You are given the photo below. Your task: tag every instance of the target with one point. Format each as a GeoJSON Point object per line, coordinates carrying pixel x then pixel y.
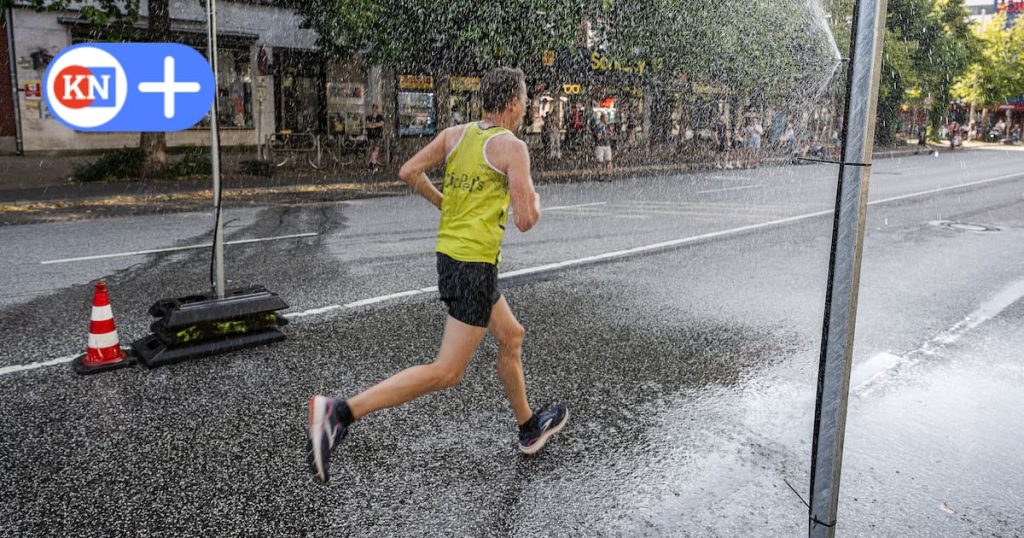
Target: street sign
{"type": "Point", "coordinates": [129, 87]}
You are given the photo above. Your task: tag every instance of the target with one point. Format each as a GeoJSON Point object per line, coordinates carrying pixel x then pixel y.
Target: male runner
{"type": "Point", "coordinates": [486, 169]}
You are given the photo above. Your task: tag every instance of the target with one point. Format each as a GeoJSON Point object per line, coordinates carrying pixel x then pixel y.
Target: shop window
{"type": "Point", "coordinates": [416, 114]}
{"type": "Point", "coordinates": [465, 107]}
{"type": "Point", "coordinates": [234, 75]}
{"type": "Point", "coordinates": [234, 89]}
{"type": "Point", "coordinates": [464, 100]}
{"type": "Point", "coordinates": [346, 102]}
{"type": "Point", "coordinates": [234, 86]}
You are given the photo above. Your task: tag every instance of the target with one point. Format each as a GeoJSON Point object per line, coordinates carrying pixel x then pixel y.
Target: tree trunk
{"type": "Point", "coordinates": [154, 145]}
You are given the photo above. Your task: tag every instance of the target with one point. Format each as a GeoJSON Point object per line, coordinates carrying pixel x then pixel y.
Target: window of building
{"type": "Point", "coordinates": [234, 87]}
{"type": "Point", "coordinates": [416, 114]}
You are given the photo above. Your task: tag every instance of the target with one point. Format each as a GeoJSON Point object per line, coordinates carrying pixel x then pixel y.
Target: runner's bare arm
{"type": "Point", "coordinates": [413, 172]}
{"type": "Point", "coordinates": [525, 200]}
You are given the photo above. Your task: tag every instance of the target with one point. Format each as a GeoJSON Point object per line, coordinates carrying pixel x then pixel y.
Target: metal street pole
{"type": "Point", "coordinates": [218, 234]}
{"type": "Point", "coordinates": [12, 59]}
{"type": "Point", "coordinates": [844, 265]}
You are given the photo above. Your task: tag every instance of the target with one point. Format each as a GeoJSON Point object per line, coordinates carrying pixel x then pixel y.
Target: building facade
{"type": "Point", "coordinates": [270, 75]}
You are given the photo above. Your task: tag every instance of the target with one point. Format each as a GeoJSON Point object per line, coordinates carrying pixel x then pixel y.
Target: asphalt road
{"type": "Point", "coordinates": [679, 318]}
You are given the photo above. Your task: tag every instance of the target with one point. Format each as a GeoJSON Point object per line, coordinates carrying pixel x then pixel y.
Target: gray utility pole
{"type": "Point", "coordinates": [844, 265]}
{"type": "Point", "coordinates": [19, 143]}
{"type": "Point", "coordinates": [218, 234]}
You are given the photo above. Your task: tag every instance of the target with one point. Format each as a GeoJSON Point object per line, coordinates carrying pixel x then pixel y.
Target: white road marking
{"type": "Point", "coordinates": [731, 178]}
{"type": "Point", "coordinates": [592, 204]}
{"type": "Point", "coordinates": [731, 189]}
{"type": "Point", "coordinates": [646, 248]}
{"type": "Point", "coordinates": [876, 367]}
{"type": "Point", "coordinates": [943, 189]}
{"type": "Point", "coordinates": [22, 367]}
{"type": "Point", "coordinates": [987, 311]}
{"type": "Point", "coordinates": [173, 249]}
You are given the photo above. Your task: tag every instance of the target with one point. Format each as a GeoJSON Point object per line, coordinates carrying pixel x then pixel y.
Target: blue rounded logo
{"type": "Point", "coordinates": [129, 87]}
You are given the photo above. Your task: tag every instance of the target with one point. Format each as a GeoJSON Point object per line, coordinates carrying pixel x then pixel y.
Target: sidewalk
{"type": "Point", "coordinates": [36, 188]}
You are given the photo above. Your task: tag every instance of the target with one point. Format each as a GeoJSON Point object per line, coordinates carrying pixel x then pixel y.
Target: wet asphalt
{"type": "Point", "coordinates": [689, 371]}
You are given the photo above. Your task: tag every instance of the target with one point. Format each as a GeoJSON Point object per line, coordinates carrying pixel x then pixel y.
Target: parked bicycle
{"type": "Point", "coordinates": [318, 151]}
{"type": "Point", "coordinates": [341, 149]}
{"type": "Point", "coordinates": [285, 146]}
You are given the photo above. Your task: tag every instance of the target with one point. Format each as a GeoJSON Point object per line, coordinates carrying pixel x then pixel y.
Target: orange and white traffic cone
{"type": "Point", "coordinates": [103, 351]}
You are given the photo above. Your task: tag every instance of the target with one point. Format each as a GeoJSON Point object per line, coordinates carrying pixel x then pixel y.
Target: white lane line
{"type": "Point", "coordinates": [382, 298]}
{"type": "Point", "coordinates": [22, 367]}
{"type": "Point", "coordinates": [363, 302]}
{"type": "Point", "coordinates": [592, 204]}
{"type": "Point", "coordinates": [174, 249]}
{"type": "Point", "coordinates": [588, 259]}
{"type": "Point", "coordinates": [949, 188]}
{"type": "Point", "coordinates": [731, 178]}
{"type": "Point", "coordinates": [732, 189]}
{"type": "Point", "coordinates": [561, 265]}
{"type": "Point", "coordinates": [645, 248]}
{"type": "Point", "coordinates": [879, 366]}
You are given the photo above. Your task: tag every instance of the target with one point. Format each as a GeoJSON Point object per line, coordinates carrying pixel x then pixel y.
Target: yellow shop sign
{"type": "Point", "coordinates": [415, 82]}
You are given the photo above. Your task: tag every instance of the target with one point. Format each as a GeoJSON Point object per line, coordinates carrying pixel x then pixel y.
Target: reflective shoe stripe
{"type": "Point", "coordinates": [316, 432]}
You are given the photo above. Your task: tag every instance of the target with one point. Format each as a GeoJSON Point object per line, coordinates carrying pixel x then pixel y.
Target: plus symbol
{"type": "Point", "coordinates": [169, 87]}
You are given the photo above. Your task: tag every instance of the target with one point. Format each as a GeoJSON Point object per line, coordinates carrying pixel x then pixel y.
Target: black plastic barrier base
{"type": "Point", "coordinates": [152, 352]}
{"type": "Point", "coordinates": [202, 325]}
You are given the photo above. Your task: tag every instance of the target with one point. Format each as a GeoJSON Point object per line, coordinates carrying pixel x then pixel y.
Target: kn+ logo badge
{"type": "Point", "coordinates": [127, 87]}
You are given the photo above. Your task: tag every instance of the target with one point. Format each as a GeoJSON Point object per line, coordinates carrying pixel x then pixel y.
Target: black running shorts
{"type": "Point", "coordinates": [470, 289]}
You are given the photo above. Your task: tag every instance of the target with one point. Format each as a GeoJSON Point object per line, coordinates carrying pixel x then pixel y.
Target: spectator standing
{"type": "Point", "coordinates": [553, 129]}
{"type": "Point", "coordinates": [754, 133]}
{"type": "Point", "coordinates": [738, 147]}
{"type": "Point", "coordinates": [722, 142]}
{"type": "Point", "coordinates": [788, 139]}
{"type": "Point", "coordinates": [603, 145]}
{"type": "Point", "coordinates": [574, 132]}
{"type": "Point", "coordinates": [374, 136]}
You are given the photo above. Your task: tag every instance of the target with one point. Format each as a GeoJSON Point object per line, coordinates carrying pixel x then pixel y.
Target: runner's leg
{"type": "Point", "coordinates": [509, 334]}
{"type": "Point", "coordinates": [458, 344]}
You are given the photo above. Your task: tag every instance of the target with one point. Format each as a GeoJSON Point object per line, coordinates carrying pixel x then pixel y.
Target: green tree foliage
{"type": "Point", "coordinates": [999, 72]}
{"type": "Point", "coordinates": [428, 35]}
{"type": "Point", "coordinates": [761, 47]}
{"type": "Point", "coordinates": [928, 44]}
{"type": "Point", "coordinates": [116, 19]}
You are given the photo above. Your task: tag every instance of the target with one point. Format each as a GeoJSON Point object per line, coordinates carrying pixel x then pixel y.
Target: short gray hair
{"type": "Point", "coordinates": [499, 86]}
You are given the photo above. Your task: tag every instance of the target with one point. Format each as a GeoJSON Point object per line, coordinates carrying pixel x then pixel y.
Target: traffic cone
{"type": "Point", "coordinates": [103, 352]}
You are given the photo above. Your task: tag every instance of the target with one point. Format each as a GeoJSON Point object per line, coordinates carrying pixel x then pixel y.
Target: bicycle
{"type": "Point", "coordinates": [341, 149]}
{"type": "Point", "coordinates": [285, 146]}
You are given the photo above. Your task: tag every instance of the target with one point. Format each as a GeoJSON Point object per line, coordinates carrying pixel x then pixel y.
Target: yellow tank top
{"type": "Point", "coordinates": [476, 199]}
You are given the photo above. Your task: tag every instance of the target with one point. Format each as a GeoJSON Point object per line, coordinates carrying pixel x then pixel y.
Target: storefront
{"type": "Point", "coordinates": [416, 102]}
{"type": "Point", "coordinates": [568, 80]}
{"type": "Point", "coordinates": [256, 95]}
{"type": "Point", "coordinates": [348, 100]}
{"type": "Point", "coordinates": [299, 91]}
{"type": "Point", "coordinates": [464, 100]}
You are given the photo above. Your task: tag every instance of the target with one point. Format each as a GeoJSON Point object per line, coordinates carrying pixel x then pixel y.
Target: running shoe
{"type": "Point", "coordinates": [550, 420]}
{"type": "Point", "coordinates": [323, 434]}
